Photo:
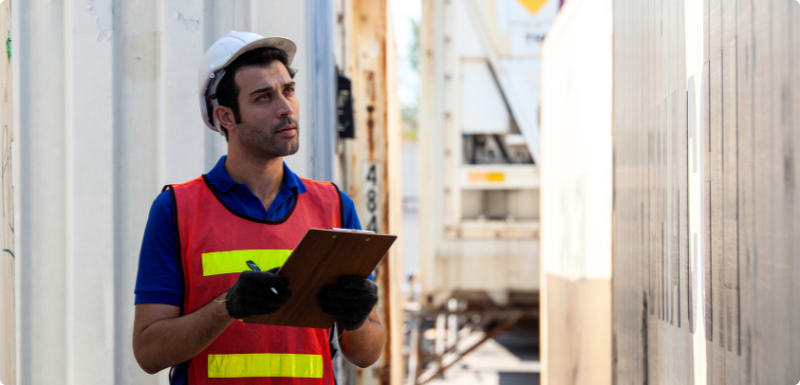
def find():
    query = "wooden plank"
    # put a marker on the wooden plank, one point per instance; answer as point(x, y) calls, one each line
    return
point(705, 91)
point(371, 65)
point(745, 126)
point(749, 125)
point(781, 194)
point(794, 103)
point(640, 42)
point(685, 368)
point(762, 263)
point(637, 367)
point(728, 177)
point(730, 208)
point(714, 160)
point(628, 236)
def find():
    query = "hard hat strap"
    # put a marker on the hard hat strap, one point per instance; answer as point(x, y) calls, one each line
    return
point(212, 101)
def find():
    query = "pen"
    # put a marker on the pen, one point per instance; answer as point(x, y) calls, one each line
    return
point(255, 267)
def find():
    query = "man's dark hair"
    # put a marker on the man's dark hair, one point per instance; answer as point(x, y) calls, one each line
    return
point(228, 93)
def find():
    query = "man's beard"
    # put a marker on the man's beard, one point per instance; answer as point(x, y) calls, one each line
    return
point(260, 145)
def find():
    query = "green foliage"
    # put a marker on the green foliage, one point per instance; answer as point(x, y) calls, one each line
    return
point(409, 109)
point(413, 49)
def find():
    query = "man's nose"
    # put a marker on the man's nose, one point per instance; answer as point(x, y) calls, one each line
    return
point(284, 108)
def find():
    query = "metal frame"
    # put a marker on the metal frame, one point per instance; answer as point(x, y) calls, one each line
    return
point(482, 325)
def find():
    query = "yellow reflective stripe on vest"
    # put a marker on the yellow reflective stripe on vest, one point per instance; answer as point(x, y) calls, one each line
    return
point(235, 261)
point(265, 365)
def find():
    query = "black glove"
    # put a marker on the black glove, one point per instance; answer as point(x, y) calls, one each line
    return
point(252, 294)
point(351, 300)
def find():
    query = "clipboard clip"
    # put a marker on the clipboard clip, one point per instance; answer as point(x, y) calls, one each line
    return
point(353, 230)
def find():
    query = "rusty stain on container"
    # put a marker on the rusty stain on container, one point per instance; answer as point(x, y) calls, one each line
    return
point(371, 133)
point(369, 77)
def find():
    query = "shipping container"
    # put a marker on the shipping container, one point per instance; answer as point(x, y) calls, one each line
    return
point(576, 194)
point(478, 143)
point(368, 158)
point(8, 340)
point(701, 230)
point(479, 147)
point(106, 115)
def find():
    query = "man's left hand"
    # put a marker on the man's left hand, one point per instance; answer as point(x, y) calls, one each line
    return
point(351, 300)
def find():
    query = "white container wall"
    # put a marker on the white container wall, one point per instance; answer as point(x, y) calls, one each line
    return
point(577, 181)
point(107, 114)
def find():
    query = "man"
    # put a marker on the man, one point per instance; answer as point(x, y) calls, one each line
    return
point(194, 285)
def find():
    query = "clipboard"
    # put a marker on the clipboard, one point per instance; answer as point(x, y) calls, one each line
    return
point(321, 257)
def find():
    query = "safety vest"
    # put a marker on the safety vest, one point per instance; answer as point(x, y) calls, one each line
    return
point(215, 245)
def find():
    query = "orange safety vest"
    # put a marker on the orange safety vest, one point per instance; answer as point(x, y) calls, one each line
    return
point(215, 244)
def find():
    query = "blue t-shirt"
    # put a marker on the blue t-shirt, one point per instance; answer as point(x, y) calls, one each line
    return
point(160, 277)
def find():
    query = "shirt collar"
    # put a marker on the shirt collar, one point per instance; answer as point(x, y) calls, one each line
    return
point(219, 178)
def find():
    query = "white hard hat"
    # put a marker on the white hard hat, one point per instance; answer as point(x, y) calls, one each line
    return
point(223, 52)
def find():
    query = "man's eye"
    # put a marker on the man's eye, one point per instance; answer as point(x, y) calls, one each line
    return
point(263, 97)
point(289, 91)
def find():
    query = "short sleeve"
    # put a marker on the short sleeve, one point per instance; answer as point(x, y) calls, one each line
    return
point(350, 215)
point(159, 279)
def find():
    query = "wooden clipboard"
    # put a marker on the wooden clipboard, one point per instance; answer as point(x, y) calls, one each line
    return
point(321, 257)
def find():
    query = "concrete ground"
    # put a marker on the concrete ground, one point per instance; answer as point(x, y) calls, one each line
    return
point(511, 358)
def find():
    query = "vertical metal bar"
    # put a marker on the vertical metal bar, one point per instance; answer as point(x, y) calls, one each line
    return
point(415, 345)
point(440, 332)
point(322, 119)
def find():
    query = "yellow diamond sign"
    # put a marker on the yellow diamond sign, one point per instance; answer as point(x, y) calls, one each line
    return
point(533, 6)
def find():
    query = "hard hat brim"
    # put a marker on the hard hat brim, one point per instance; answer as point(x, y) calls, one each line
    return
point(281, 43)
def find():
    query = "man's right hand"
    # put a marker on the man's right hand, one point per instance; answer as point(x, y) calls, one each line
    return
point(252, 294)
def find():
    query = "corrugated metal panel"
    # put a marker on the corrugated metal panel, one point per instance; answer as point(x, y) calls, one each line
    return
point(323, 79)
point(576, 196)
point(704, 228)
point(8, 349)
point(109, 115)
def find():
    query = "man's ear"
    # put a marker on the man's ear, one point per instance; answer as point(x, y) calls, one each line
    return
point(224, 116)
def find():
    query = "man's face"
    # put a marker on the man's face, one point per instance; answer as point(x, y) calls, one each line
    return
point(269, 110)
